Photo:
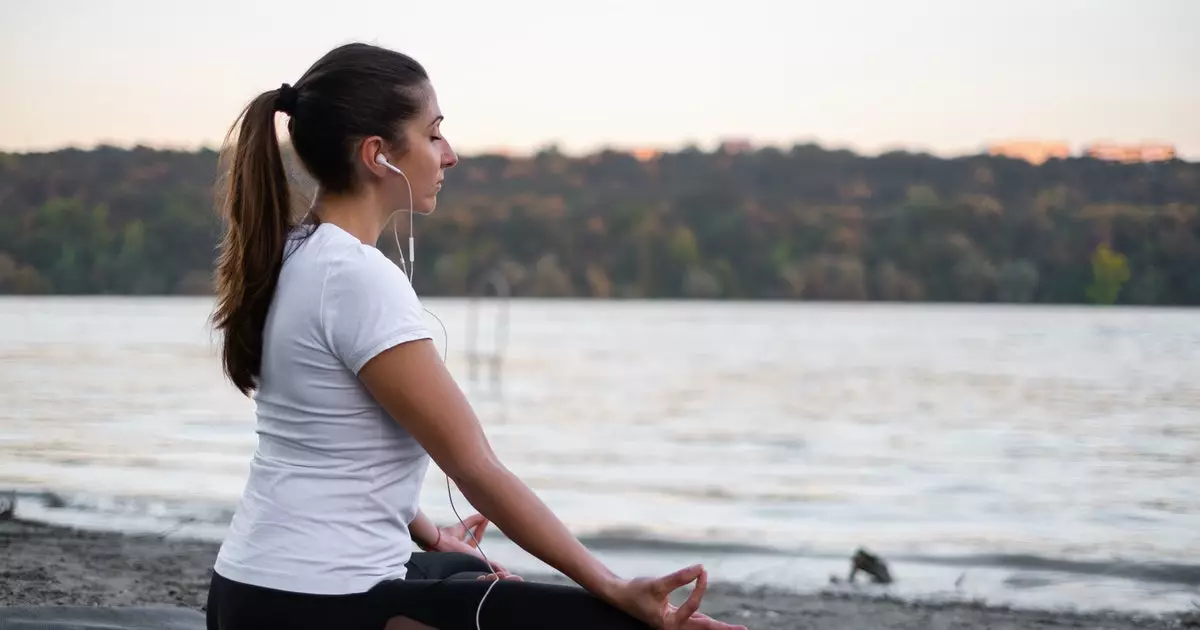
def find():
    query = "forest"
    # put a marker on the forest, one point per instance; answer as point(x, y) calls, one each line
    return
point(800, 223)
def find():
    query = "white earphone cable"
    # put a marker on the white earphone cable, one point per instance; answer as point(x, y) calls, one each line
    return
point(408, 269)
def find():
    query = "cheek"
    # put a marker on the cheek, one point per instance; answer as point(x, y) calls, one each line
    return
point(423, 161)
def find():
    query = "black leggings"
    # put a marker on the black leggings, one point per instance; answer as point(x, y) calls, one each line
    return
point(441, 591)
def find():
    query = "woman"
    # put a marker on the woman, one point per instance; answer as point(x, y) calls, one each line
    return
point(353, 399)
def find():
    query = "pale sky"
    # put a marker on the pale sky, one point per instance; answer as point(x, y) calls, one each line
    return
point(945, 76)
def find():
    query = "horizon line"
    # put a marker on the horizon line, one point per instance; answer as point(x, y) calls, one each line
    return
point(731, 145)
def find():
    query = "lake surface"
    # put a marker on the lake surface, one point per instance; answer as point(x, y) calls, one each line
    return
point(1037, 456)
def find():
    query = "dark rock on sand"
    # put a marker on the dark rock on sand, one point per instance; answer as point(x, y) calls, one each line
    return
point(8, 506)
point(870, 564)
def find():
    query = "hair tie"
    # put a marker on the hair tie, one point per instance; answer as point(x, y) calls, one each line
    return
point(286, 100)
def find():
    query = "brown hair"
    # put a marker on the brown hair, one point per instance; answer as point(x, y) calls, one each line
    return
point(353, 92)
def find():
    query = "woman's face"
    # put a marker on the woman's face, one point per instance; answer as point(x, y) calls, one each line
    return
point(427, 157)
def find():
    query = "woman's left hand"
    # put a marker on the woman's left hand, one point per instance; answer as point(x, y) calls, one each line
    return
point(464, 537)
point(468, 532)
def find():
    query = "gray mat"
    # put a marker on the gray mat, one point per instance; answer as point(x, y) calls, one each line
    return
point(97, 618)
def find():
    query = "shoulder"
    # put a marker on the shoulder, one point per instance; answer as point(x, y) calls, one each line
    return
point(367, 304)
point(358, 263)
point(353, 267)
point(361, 283)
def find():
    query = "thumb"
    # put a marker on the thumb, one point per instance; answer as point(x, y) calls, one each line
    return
point(682, 577)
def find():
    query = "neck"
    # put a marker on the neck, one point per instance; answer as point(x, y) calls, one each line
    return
point(359, 215)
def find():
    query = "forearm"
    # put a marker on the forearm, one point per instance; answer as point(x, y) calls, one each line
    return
point(422, 530)
point(514, 508)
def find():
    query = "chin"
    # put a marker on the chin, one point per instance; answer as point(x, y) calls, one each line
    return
point(428, 207)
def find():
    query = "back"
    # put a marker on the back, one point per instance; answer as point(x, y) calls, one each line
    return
point(335, 480)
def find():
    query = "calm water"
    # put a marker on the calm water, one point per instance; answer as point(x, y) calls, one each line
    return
point(1036, 456)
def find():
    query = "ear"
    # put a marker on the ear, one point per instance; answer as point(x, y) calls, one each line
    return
point(367, 150)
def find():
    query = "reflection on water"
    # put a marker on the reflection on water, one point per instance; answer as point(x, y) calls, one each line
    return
point(931, 434)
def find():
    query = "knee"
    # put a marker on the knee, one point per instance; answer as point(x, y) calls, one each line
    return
point(404, 623)
point(469, 563)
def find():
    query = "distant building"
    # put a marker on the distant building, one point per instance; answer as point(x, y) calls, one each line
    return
point(503, 151)
point(1130, 152)
point(645, 154)
point(1032, 151)
point(735, 146)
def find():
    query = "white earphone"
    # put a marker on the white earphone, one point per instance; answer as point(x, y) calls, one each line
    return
point(382, 160)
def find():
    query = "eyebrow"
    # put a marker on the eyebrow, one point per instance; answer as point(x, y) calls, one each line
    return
point(437, 120)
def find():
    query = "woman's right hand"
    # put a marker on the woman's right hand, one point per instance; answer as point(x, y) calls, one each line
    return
point(647, 600)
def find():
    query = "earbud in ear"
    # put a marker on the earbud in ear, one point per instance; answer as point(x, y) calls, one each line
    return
point(383, 161)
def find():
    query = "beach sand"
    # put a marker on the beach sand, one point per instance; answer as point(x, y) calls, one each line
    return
point(46, 565)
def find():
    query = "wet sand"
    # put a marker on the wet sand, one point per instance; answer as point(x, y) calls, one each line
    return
point(50, 565)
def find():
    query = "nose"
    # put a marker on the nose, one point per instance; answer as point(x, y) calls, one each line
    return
point(449, 157)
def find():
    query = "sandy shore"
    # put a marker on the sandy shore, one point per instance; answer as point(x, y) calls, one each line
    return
point(42, 564)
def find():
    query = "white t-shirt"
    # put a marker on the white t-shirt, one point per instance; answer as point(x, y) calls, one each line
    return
point(335, 481)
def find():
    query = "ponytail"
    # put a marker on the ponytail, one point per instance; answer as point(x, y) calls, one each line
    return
point(256, 207)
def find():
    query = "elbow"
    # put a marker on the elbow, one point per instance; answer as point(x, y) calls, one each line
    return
point(474, 471)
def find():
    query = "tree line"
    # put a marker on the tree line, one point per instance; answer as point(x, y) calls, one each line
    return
point(803, 223)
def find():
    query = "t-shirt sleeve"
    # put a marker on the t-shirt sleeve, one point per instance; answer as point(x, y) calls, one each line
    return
point(368, 306)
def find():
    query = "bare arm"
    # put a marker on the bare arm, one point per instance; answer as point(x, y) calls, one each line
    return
point(412, 384)
point(422, 530)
